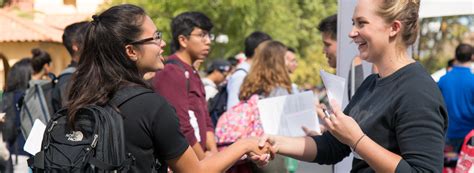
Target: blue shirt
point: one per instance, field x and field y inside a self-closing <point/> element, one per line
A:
<point x="457" y="87"/>
<point x="234" y="83"/>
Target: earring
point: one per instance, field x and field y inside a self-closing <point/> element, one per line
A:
<point x="134" y="58"/>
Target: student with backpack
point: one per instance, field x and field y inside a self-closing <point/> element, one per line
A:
<point x="36" y="102"/>
<point x="243" y="120"/>
<point x="16" y="85"/>
<point x="228" y="95"/>
<point x="41" y="63"/>
<point x="113" y="112"/>
<point x="73" y="37"/>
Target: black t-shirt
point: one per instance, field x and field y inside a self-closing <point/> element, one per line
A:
<point x="151" y="131"/>
<point x="404" y="113"/>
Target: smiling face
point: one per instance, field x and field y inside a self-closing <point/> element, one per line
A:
<point x="370" y="32"/>
<point x="148" y="54"/>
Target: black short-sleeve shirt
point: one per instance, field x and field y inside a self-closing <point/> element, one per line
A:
<point x="151" y="131"/>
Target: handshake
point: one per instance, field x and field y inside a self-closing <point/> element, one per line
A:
<point x="261" y="149"/>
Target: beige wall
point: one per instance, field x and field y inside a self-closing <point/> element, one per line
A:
<point x="14" y="51"/>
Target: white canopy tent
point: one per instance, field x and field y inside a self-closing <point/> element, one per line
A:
<point x="348" y="50"/>
<point x="437" y="8"/>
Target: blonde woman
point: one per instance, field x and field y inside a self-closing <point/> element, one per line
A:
<point x="396" y="120"/>
<point x="268" y="77"/>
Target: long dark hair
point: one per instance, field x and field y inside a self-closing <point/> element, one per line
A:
<point x="6" y="69"/>
<point x="19" y="75"/>
<point x="104" y="66"/>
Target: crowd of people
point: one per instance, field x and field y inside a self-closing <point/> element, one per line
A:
<point x="396" y="119"/>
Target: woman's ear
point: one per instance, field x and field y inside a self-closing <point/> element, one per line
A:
<point x="131" y="52"/>
<point x="75" y="47"/>
<point x="395" y="28"/>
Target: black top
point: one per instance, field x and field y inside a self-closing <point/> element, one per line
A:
<point x="404" y="113"/>
<point x="151" y="131"/>
<point x="60" y="91"/>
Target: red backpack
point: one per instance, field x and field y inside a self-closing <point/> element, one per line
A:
<point x="466" y="157"/>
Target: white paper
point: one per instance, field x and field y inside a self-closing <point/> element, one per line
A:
<point x="335" y="86"/>
<point x="33" y="143"/>
<point x="285" y="115"/>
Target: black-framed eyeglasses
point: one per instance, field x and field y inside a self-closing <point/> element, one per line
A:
<point x="204" y="36"/>
<point x="157" y="36"/>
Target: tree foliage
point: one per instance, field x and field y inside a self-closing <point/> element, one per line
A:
<point x="291" y="22"/>
<point x="439" y="37"/>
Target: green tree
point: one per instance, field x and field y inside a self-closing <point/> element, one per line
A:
<point x="291" y="22"/>
<point x="438" y="38"/>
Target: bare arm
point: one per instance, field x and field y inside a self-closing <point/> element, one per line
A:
<point x="219" y="162"/>
<point x="301" y="148"/>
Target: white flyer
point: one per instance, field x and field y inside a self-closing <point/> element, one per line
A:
<point x="285" y="115"/>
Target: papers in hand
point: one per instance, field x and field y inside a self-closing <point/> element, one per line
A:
<point x="33" y="143"/>
<point x="285" y="115"/>
<point x="335" y="86"/>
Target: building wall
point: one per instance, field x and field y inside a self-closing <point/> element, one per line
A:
<point x="14" y="51"/>
<point x="80" y="6"/>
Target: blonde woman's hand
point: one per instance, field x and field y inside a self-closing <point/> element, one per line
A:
<point x="341" y="126"/>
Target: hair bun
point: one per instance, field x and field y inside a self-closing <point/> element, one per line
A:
<point x="95" y="19"/>
<point x="36" y="52"/>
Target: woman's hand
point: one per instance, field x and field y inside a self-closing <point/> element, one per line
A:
<point x="259" y="154"/>
<point x="343" y="127"/>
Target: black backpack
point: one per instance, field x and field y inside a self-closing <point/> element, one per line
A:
<point x="218" y="104"/>
<point x="98" y="145"/>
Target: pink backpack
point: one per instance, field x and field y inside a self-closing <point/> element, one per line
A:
<point x="241" y="121"/>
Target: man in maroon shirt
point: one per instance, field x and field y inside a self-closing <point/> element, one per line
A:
<point x="180" y="83"/>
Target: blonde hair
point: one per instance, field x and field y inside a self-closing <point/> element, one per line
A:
<point x="406" y="11"/>
<point x="268" y="71"/>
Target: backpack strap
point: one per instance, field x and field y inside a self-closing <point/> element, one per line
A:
<point x="66" y="72"/>
<point x="241" y="69"/>
<point x="127" y="93"/>
<point x="180" y="65"/>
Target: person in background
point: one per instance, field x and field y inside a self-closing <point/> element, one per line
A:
<point x="457" y="87"/>
<point x="328" y="29"/>
<point x="179" y="81"/>
<point x="397" y="119"/>
<point x="449" y="65"/>
<point x="236" y="79"/>
<point x="16" y="86"/>
<point x="270" y="70"/>
<point x="216" y="75"/>
<point x="41" y="63"/>
<point x="233" y="64"/>
<point x="73" y="37"/>
<point x="291" y="64"/>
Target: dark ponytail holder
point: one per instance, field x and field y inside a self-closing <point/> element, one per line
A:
<point x="95" y="19"/>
